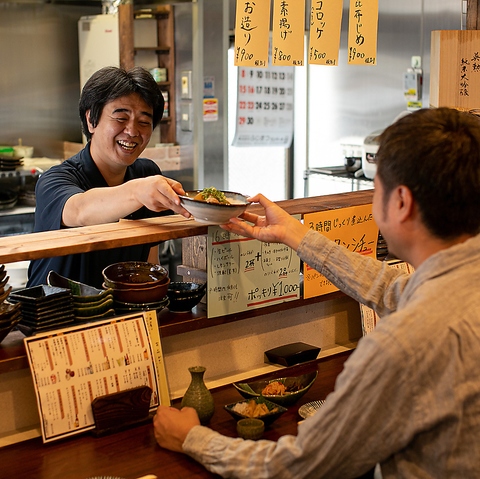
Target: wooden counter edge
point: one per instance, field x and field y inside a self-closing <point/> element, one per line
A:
<point x="153" y="230"/>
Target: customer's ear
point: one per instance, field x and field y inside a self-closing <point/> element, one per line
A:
<point x="404" y="203"/>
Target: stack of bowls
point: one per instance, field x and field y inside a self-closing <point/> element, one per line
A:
<point x="89" y="303"/>
<point x="137" y="285"/>
<point x="10" y="314"/>
<point x="184" y="296"/>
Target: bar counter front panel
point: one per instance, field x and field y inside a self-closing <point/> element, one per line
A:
<point x="133" y="453"/>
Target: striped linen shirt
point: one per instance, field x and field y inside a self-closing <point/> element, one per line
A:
<point x="409" y="395"/>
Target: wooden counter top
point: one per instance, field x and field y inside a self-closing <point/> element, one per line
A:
<point x="134" y="453"/>
<point x="126" y="233"/>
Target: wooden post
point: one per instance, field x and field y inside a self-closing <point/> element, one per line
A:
<point x="473" y="15"/>
<point x="125" y="32"/>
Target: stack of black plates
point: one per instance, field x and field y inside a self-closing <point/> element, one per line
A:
<point x="9" y="163"/>
<point x="27" y="198"/>
<point x="8" y="199"/>
<point x="10" y="314"/>
<point x="124" y="308"/>
<point x="44" y="307"/>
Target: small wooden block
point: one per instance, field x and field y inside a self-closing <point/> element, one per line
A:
<point x="119" y="411"/>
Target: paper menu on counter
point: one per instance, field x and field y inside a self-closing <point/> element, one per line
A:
<point x="73" y="366"/>
<point x="352" y="227"/>
<point x="245" y="274"/>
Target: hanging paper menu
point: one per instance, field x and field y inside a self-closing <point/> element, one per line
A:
<point x="288" y="32"/>
<point x="73" y="366"/>
<point x="252" y="27"/>
<point x="362" y="32"/>
<point x="353" y="228"/>
<point x="245" y="274"/>
<point x="325" y="28"/>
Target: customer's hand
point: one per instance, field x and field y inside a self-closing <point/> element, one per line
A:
<point x="172" y="425"/>
<point x="277" y="226"/>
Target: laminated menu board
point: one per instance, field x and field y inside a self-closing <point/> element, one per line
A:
<point x="73" y="366"/>
<point x="352" y="227"/>
<point x="245" y="274"/>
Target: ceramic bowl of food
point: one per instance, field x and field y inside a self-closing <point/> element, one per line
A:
<point x="134" y="275"/>
<point x="184" y="296"/>
<point x="283" y="391"/>
<point x="259" y="408"/>
<point x="214" y="207"/>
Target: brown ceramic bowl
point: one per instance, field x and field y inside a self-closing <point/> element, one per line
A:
<point x="141" y="295"/>
<point x="134" y="275"/>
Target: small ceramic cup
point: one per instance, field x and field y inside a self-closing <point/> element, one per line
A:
<point x="250" y="428"/>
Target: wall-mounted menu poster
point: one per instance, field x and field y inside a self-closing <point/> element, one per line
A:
<point x="245" y="274"/>
<point x="352" y="227"/>
<point x="73" y="366"/>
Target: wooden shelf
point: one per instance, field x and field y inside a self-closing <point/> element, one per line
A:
<point x="125" y="233"/>
<point x="172" y="324"/>
<point x="165" y="51"/>
<point x="12" y="350"/>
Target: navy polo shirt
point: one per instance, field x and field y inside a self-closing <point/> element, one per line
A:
<point x="76" y="175"/>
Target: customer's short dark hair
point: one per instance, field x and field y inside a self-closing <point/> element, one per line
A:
<point x="436" y="154"/>
<point x="110" y="83"/>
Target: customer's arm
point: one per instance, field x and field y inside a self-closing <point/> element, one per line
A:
<point x="366" y="419"/>
<point x="172" y="426"/>
<point x="367" y="280"/>
<point x="277" y="226"/>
